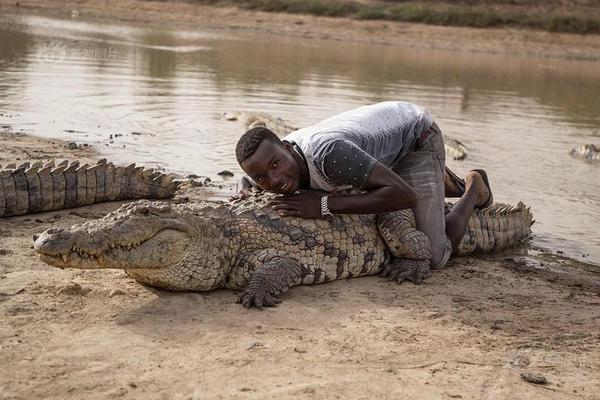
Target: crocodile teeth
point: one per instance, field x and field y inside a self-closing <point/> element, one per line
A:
<point x="64" y="257"/>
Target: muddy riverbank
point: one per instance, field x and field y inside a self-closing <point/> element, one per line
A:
<point x="467" y="332"/>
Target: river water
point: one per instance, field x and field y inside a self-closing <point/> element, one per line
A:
<point x="160" y="93"/>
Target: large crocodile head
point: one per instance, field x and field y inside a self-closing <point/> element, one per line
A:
<point x="156" y="237"/>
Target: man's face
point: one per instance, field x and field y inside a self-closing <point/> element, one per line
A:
<point x="273" y="167"/>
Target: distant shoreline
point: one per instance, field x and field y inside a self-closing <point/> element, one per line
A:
<point x="200" y="16"/>
<point x="545" y="15"/>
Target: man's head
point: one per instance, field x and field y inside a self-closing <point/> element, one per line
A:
<point x="268" y="161"/>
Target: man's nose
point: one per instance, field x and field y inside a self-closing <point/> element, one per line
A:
<point x="273" y="178"/>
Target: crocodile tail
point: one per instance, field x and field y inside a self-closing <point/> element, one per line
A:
<point x="496" y="228"/>
<point x="31" y="188"/>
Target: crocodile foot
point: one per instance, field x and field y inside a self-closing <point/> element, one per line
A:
<point x="257" y="298"/>
<point x="401" y="270"/>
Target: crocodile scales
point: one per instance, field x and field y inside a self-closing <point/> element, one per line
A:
<point x="246" y="245"/>
<point x="38" y="187"/>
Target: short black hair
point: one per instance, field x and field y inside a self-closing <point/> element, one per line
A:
<point x="250" y="141"/>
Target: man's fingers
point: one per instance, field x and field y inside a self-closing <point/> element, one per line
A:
<point x="289" y="213"/>
<point x="284" y="201"/>
<point x="286" y="206"/>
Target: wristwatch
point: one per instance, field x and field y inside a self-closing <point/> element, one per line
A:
<point x="325" y="212"/>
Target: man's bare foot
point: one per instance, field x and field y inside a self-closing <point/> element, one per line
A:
<point x="451" y="187"/>
<point x="475" y="182"/>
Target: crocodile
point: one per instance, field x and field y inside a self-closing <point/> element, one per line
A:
<point x="38" y="187"/>
<point x="587" y="152"/>
<point x="244" y="244"/>
<point x="250" y="119"/>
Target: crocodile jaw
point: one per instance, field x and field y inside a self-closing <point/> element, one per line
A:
<point x="162" y="249"/>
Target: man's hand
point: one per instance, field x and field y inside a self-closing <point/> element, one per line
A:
<point x="304" y="203"/>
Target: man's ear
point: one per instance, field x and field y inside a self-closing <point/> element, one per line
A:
<point x="288" y="146"/>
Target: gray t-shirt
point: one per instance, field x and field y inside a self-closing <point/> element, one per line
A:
<point x="342" y="150"/>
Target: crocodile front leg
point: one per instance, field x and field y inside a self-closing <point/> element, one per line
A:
<point x="410" y="247"/>
<point x="401" y="269"/>
<point x="273" y="275"/>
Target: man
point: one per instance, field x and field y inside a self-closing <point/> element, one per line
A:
<point x="392" y="151"/>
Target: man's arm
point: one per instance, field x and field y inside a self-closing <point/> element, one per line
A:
<point x="344" y="164"/>
<point x="385" y="191"/>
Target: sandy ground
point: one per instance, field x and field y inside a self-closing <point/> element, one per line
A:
<point x="195" y="16"/>
<point x="468" y="332"/>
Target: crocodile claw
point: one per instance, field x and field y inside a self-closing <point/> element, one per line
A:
<point x="258" y="300"/>
<point x="401" y="270"/>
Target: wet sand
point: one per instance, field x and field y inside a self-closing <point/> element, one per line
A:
<point x="468" y="332"/>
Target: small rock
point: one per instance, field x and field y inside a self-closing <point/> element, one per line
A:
<point x="300" y="350"/>
<point x="116" y="292"/>
<point x="225" y="172"/>
<point x="534" y="378"/>
<point x="520" y="361"/>
<point x="73" y="289"/>
<point x="193" y="176"/>
<point x="72" y="146"/>
<point x="254" y="345"/>
<point x="132" y="384"/>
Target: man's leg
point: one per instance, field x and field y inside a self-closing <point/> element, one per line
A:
<point x="423" y="170"/>
<point x="476" y="194"/>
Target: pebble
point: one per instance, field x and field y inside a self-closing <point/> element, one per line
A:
<point x="72" y="146"/>
<point x="116" y="292"/>
<point x="300" y="350"/>
<point x="254" y="345"/>
<point x="225" y="172"/>
<point x="534" y="378"/>
<point x="73" y="289"/>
